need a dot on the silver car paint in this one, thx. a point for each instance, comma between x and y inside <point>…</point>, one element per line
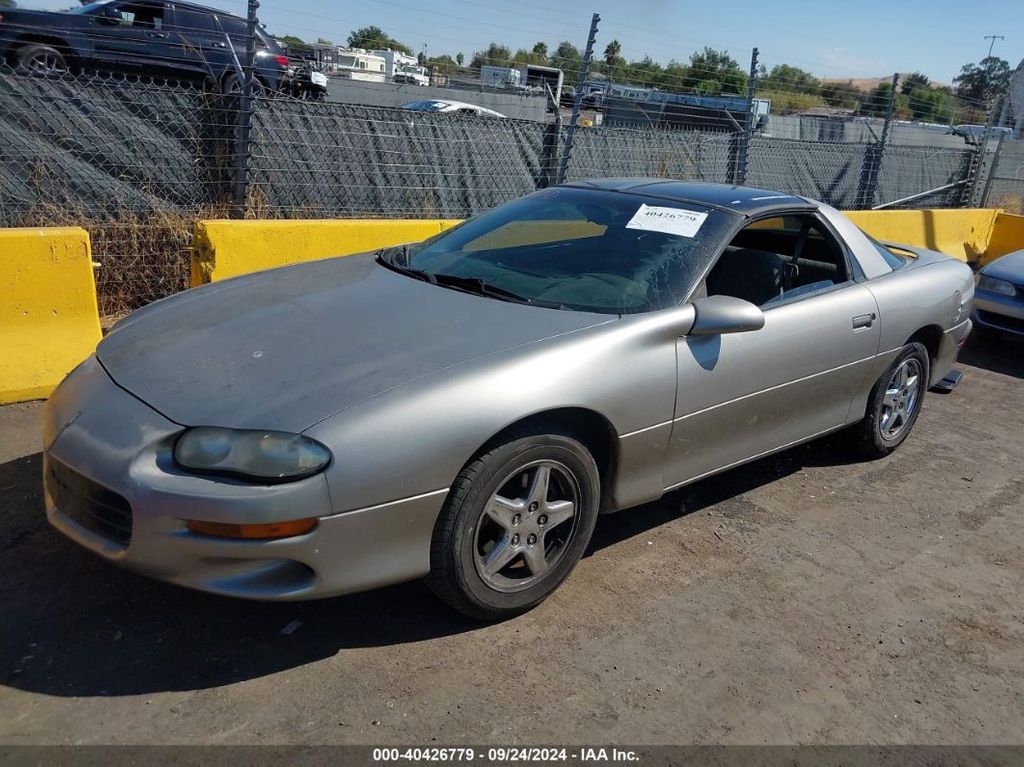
<point>132,454</point>
<point>744,394</point>
<point>400,435</point>
<point>285,339</point>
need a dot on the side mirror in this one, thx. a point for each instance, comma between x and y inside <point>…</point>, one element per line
<point>725,314</point>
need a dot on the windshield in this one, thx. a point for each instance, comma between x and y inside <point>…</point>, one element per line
<point>581,249</point>
<point>90,7</point>
<point>425,106</point>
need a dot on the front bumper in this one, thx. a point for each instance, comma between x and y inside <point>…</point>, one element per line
<point>998,312</point>
<point>95,429</point>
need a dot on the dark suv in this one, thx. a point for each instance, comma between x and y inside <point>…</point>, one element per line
<point>171,40</point>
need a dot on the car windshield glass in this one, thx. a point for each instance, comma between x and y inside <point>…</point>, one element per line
<point>424,106</point>
<point>580,249</point>
<point>90,7</point>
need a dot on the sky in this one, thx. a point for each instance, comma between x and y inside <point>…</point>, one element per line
<point>867,38</point>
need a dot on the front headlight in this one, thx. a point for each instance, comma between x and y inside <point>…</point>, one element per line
<point>274,456</point>
<point>994,285</point>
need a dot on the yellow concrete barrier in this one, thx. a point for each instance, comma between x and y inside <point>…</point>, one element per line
<point>963,234</point>
<point>223,249</point>
<point>49,321</point>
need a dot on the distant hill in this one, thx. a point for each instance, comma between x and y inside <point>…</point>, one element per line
<point>870,83</point>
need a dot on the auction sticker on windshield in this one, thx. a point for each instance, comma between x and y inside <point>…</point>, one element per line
<point>682,223</point>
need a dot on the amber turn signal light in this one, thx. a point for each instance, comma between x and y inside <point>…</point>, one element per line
<point>253,532</point>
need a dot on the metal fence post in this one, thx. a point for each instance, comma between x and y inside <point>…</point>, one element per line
<point>978,161</point>
<point>993,169</point>
<point>875,152</point>
<point>739,175</point>
<point>577,102</point>
<point>241,164</point>
<point>549,145</point>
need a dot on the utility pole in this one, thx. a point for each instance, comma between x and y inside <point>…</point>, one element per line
<point>993,38</point>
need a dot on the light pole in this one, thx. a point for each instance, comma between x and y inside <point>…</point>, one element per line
<point>993,38</point>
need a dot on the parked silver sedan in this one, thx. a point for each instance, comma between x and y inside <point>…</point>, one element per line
<point>464,409</point>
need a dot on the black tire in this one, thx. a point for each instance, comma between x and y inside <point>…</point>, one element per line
<point>458,544</point>
<point>231,85</point>
<point>882,431</point>
<point>41,59</point>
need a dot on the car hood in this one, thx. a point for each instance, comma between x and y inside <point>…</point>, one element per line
<point>286,348</point>
<point>1008,267</point>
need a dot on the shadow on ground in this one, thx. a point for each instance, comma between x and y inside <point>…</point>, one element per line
<point>1000,353</point>
<point>73,625</point>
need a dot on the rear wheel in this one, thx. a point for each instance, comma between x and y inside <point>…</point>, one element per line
<point>894,403</point>
<point>516,522</point>
<point>41,59</point>
<point>233,85</point>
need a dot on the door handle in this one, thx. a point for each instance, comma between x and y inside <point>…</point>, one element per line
<point>863,320</point>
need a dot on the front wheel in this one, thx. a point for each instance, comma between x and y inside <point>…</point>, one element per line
<point>894,403</point>
<point>41,59</point>
<point>516,522</point>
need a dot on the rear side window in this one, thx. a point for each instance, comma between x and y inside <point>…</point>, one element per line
<point>194,21</point>
<point>892,259</point>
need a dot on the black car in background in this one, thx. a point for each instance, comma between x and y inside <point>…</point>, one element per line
<point>178,41</point>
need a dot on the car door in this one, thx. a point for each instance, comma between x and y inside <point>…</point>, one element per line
<point>742,395</point>
<point>140,43</point>
<point>198,43</point>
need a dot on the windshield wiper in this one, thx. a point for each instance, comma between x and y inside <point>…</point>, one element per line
<point>384,257</point>
<point>478,286</point>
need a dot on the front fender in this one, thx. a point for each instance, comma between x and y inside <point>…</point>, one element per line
<point>415,439</point>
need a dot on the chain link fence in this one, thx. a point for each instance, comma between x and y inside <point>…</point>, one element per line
<point>137,162</point>
<point>1005,185</point>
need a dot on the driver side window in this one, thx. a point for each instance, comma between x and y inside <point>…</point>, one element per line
<point>775,260</point>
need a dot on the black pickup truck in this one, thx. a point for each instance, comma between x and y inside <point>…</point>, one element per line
<point>171,40</point>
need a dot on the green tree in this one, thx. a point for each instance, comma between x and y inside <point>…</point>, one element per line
<point>324,41</point>
<point>442,65</point>
<point>567,57</point>
<point>291,40</point>
<point>524,56</point>
<point>784,77</point>
<point>8,4</point>
<point>495,56</point>
<point>714,72</point>
<point>913,82</point>
<point>374,38</point>
<point>841,95</point>
<point>459,58</point>
<point>541,49</point>
<point>875,102</point>
<point>613,53</point>
<point>984,81</point>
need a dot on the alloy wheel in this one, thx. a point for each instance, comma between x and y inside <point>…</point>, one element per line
<point>902,395</point>
<point>525,527</point>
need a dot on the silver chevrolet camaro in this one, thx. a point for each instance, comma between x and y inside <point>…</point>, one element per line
<point>465,408</point>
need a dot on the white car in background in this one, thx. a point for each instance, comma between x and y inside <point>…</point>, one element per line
<point>447,106</point>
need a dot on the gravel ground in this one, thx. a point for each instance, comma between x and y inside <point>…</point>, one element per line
<point>806,598</point>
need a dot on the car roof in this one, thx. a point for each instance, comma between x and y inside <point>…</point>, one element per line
<point>745,200</point>
<point>206,8</point>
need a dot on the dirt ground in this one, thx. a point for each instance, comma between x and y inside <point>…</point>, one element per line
<point>806,598</point>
